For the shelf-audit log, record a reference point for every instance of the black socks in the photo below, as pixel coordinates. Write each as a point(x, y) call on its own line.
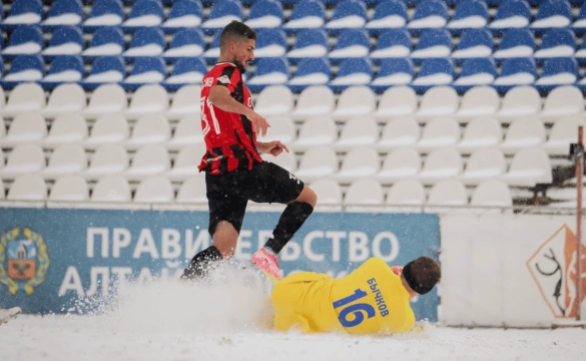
point(201, 263)
point(291, 220)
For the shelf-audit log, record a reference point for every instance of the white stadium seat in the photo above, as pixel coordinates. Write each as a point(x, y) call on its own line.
point(24, 159)
point(187, 162)
point(187, 132)
point(25, 128)
point(71, 188)
point(406, 193)
point(65, 160)
point(282, 128)
point(317, 162)
point(314, 101)
point(523, 133)
point(25, 98)
point(2, 98)
point(484, 164)
point(400, 132)
point(315, 132)
point(107, 160)
point(359, 163)
point(2, 127)
point(108, 129)
point(400, 164)
point(441, 164)
point(396, 102)
point(156, 189)
point(563, 101)
point(562, 134)
point(186, 102)
point(148, 99)
point(439, 132)
point(107, 99)
point(519, 102)
point(358, 132)
point(149, 129)
point(2, 160)
point(285, 160)
point(193, 190)
point(448, 193)
point(363, 192)
point(438, 101)
point(274, 100)
point(112, 188)
point(479, 101)
point(492, 193)
point(66, 129)
point(481, 133)
point(355, 101)
point(66, 99)
point(2, 190)
point(148, 161)
point(528, 168)
point(28, 187)
point(327, 190)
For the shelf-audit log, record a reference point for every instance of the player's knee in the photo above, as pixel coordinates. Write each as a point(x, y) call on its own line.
point(308, 196)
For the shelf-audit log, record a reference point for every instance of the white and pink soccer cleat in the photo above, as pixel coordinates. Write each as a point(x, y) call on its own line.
point(267, 263)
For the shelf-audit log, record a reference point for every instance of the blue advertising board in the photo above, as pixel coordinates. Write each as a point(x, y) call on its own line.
point(49, 258)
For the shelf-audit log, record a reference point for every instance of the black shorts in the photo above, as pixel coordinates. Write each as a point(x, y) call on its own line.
point(229, 193)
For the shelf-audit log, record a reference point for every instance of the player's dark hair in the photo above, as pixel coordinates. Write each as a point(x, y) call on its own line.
point(236, 31)
point(422, 274)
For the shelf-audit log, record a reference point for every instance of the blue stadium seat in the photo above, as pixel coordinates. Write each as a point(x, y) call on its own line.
point(580, 55)
point(223, 12)
point(349, 14)
point(352, 72)
point(184, 14)
point(311, 71)
point(64, 69)
point(393, 72)
point(556, 43)
point(63, 12)
point(475, 43)
point(146, 42)
point(211, 55)
point(187, 71)
point(552, 14)
point(433, 43)
point(105, 70)
point(511, 14)
point(392, 43)
point(107, 41)
point(433, 72)
point(67, 40)
point(579, 26)
point(557, 72)
point(429, 14)
point(307, 14)
point(270, 43)
point(23, 12)
point(309, 43)
point(104, 13)
point(269, 71)
point(515, 72)
point(265, 14)
point(146, 70)
point(470, 14)
point(187, 43)
point(24, 69)
point(144, 14)
point(515, 43)
point(388, 14)
point(351, 44)
point(475, 72)
point(24, 40)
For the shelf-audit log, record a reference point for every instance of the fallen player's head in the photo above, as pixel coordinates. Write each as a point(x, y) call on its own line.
point(237, 44)
point(421, 275)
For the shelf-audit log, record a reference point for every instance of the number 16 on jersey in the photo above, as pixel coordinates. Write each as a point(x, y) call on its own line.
point(357, 310)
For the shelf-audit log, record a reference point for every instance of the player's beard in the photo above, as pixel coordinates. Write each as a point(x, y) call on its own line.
point(240, 66)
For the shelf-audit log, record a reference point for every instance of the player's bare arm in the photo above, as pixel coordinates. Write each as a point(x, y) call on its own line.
point(275, 147)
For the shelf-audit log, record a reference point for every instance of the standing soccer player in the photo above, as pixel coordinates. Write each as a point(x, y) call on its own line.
point(235, 172)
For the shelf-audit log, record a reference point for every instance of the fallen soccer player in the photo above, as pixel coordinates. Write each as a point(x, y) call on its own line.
point(8, 314)
point(373, 299)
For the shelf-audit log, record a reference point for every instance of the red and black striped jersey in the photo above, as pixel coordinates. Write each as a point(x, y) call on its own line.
point(229, 137)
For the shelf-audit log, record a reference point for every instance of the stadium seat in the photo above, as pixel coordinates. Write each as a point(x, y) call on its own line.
point(481, 133)
point(146, 42)
point(2, 103)
point(193, 190)
point(442, 163)
point(523, 133)
point(185, 43)
point(108, 160)
point(309, 43)
point(359, 131)
point(63, 13)
point(70, 188)
point(433, 43)
point(23, 12)
point(520, 101)
point(475, 72)
point(399, 132)
point(28, 97)
point(515, 43)
point(108, 129)
point(187, 132)
point(516, 72)
point(144, 14)
point(475, 43)
point(28, 187)
point(24, 159)
point(186, 102)
point(149, 129)
point(355, 101)
point(66, 40)
point(393, 72)
point(563, 133)
point(433, 73)
point(492, 193)
point(406, 193)
point(66, 159)
point(557, 72)
point(348, 14)
point(270, 43)
point(68, 128)
point(223, 12)
point(307, 14)
point(104, 13)
point(579, 26)
point(392, 43)
point(552, 14)
point(2, 135)
point(364, 192)
point(448, 193)
point(396, 101)
point(285, 160)
point(269, 71)
point(184, 14)
point(479, 101)
point(483, 164)
point(65, 99)
point(351, 44)
point(265, 14)
point(353, 73)
point(328, 191)
point(470, 14)
point(438, 133)
point(511, 14)
point(563, 101)
point(274, 100)
point(317, 163)
point(389, 14)
point(24, 69)
point(106, 71)
point(148, 161)
point(556, 43)
point(401, 163)
point(2, 191)
point(148, 99)
point(282, 129)
point(186, 163)
point(64, 69)
point(108, 99)
point(429, 14)
point(25, 128)
point(316, 131)
point(111, 189)
point(438, 101)
point(156, 189)
point(580, 54)
point(529, 167)
point(310, 72)
point(213, 52)
point(186, 72)
point(314, 101)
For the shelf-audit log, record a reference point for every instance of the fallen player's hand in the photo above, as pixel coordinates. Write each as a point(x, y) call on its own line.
point(259, 124)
